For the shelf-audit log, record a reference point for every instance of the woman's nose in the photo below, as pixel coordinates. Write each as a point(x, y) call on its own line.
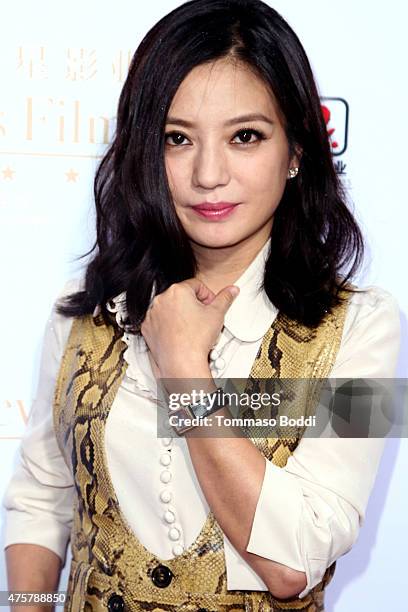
point(210, 168)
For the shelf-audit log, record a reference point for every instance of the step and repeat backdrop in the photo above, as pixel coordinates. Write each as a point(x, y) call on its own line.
point(62, 66)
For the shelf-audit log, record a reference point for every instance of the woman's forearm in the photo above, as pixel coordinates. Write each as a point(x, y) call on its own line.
point(231, 471)
point(31, 567)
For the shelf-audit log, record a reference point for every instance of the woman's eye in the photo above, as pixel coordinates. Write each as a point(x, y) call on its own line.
point(246, 136)
point(177, 138)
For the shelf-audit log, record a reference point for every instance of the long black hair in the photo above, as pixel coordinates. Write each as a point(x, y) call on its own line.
point(316, 245)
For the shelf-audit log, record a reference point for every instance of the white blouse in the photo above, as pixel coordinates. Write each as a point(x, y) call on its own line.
point(308, 513)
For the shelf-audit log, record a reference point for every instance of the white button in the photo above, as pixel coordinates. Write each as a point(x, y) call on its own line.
point(165, 459)
point(165, 496)
point(214, 354)
point(178, 549)
point(219, 363)
point(165, 476)
point(174, 533)
point(167, 441)
point(169, 517)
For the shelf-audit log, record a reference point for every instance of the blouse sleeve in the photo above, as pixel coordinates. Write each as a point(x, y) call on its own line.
point(39, 497)
point(309, 513)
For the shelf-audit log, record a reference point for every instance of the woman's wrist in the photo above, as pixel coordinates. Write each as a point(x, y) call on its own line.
point(188, 367)
point(184, 378)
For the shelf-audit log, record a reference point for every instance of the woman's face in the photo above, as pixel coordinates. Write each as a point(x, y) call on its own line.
point(214, 154)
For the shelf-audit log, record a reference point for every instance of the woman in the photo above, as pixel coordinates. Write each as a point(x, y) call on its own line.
point(219, 176)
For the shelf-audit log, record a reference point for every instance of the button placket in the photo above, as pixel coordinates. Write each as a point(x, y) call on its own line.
point(161, 575)
point(174, 530)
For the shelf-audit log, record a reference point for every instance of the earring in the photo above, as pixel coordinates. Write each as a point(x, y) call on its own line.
point(292, 172)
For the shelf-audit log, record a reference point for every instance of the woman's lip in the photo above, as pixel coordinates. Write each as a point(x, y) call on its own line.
point(215, 212)
point(215, 206)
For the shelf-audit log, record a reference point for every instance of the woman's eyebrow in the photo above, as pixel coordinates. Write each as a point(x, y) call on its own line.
point(240, 119)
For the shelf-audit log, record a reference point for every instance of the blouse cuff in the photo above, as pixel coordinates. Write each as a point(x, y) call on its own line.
point(281, 516)
point(21, 529)
point(240, 575)
point(279, 513)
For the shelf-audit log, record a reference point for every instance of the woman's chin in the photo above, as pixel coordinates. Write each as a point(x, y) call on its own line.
point(216, 240)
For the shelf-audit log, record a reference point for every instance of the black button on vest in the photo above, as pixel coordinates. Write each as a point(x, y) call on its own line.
point(161, 576)
point(116, 603)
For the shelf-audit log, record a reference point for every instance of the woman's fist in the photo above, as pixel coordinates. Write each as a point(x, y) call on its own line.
point(183, 324)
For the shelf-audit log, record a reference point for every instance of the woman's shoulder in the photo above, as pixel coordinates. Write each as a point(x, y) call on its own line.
point(71, 285)
point(372, 295)
point(371, 334)
point(371, 301)
point(59, 324)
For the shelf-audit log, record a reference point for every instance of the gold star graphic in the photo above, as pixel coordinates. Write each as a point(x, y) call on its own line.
point(71, 176)
point(8, 173)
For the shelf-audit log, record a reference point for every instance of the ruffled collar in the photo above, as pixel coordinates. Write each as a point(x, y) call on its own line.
point(248, 318)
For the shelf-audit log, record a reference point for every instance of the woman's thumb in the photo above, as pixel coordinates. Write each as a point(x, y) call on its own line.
point(225, 297)
point(234, 290)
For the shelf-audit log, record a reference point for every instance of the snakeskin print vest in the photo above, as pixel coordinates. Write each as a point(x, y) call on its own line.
point(110, 568)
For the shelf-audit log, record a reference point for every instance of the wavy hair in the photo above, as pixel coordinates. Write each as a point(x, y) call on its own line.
point(141, 246)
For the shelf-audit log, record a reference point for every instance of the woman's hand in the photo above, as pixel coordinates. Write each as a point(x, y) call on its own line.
point(183, 324)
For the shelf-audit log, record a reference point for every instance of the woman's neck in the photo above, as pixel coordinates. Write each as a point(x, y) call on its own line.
point(219, 267)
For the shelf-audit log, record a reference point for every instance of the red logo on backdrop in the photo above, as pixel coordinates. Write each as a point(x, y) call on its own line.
point(336, 116)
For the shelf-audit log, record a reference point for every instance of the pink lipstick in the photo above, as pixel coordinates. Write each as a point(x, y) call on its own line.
point(214, 210)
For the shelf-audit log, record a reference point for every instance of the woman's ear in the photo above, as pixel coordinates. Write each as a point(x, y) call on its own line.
point(296, 156)
point(294, 162)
